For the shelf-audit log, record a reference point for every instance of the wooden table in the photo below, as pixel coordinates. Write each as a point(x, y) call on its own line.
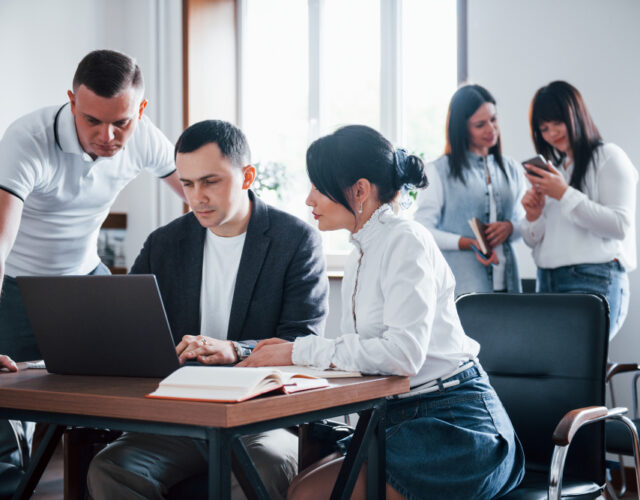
point(118, 403)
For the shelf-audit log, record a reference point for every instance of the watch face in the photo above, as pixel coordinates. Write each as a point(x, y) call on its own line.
point(242, 352)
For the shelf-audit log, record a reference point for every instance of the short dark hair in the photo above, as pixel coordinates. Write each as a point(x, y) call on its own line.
point(107, 73)
point(464, 103)
point(335, 162)
point(229, 138)
point(561, 102)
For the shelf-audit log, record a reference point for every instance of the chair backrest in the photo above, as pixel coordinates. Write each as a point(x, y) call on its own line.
point(528, 285)
point(545, 355)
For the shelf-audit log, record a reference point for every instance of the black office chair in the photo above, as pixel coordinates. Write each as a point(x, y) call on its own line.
point(14, 456)
point(617, 434)
point(546, 357)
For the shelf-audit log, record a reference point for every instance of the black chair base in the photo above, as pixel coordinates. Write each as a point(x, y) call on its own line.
point(10, 477)
point(535, 487)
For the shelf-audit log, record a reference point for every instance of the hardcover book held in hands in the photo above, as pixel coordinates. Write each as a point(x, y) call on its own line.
point(224, 384)
point(479, 229)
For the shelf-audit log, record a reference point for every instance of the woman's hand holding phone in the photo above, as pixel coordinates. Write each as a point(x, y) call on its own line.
point(537, 161)
point(548, 181)
point(533, 203)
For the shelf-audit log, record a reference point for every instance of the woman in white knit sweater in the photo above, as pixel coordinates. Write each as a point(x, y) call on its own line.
point(580, 213)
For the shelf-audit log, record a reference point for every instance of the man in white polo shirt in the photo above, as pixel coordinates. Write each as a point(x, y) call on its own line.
point(61, 168)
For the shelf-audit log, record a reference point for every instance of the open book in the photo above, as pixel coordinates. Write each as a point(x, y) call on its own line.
point(316, 372)
point(479, 229)
point(226, 384)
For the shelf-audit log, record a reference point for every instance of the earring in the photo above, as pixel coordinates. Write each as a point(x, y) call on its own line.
point(360, 208)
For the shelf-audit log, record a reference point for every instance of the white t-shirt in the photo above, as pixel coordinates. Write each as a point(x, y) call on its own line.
point(66, 194)
point(219, 271)
point(592, 226)
point(398, 311)
point(499, 282)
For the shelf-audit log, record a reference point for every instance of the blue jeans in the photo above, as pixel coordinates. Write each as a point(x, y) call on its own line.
point(457, 443)
point(16, 337)
point(609, 280)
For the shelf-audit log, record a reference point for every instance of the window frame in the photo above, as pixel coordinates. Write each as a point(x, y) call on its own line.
point(391, 99)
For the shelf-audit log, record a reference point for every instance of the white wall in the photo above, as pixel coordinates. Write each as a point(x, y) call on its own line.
point(517, 46)
point(41, 43)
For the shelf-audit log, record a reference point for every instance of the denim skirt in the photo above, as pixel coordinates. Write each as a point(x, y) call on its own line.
point(608, 279)
point(456, 443)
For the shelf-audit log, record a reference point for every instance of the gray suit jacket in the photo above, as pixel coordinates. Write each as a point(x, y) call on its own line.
point(281, 287)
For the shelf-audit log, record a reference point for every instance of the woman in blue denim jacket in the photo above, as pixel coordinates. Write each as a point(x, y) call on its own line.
point(474, 179)
point(581, 211)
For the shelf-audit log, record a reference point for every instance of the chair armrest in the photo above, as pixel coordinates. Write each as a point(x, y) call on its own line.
point(564, 432)
point(572, 421)
point(615, 368)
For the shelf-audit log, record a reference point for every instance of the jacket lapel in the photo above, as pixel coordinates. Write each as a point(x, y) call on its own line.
point(191, 248)
point(254, 252)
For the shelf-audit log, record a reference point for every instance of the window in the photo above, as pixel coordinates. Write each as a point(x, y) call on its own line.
point(274, 95)
point(350, 64)
point(308, 67)
point(429, 73)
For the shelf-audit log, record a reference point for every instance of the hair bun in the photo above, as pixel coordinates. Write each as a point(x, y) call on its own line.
point(410, 170)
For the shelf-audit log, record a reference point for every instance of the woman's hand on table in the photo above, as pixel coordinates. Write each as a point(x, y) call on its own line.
point(270, 352)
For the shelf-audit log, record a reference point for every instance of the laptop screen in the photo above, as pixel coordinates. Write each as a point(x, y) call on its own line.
point(100, 325)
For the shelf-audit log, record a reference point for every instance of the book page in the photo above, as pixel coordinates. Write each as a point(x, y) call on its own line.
point(218, 377)
point(307, 371)
point(297, 384)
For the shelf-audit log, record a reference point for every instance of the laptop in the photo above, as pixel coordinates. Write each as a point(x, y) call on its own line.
point(100, 325)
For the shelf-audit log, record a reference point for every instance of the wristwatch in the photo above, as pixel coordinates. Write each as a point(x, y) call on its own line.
point(242, 351)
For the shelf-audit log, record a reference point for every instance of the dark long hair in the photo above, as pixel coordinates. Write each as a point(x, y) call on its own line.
point(336, 161)
point(561, 102)
point(464, 103)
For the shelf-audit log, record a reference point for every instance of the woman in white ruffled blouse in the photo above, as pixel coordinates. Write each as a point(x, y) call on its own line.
point(399, 318)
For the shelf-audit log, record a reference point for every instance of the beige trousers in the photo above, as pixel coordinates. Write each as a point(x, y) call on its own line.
point(145, 466)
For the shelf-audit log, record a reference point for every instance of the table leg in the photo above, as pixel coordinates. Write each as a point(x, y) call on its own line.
point(376, 462)
point(248, 476)
point(39, 461)
point(366, 430)
point(219, 464)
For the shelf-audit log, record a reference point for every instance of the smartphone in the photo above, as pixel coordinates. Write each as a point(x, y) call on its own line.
point(476, 250)
point(537, 161)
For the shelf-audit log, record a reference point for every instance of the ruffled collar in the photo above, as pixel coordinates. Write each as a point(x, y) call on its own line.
point(369, 231)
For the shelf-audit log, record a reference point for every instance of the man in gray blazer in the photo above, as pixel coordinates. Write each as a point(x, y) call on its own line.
point(231, 272)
